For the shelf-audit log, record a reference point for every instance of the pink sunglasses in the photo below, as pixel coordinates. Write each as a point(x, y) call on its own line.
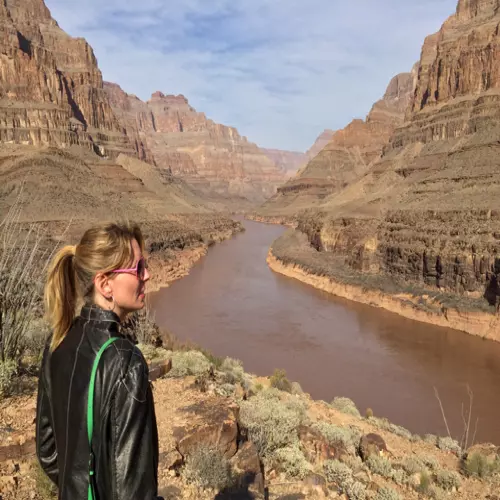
point(139, 270)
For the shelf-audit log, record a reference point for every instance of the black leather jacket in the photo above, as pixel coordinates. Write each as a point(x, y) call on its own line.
point(125, 438)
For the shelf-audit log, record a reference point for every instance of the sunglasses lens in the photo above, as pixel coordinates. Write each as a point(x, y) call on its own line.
point(141, 269)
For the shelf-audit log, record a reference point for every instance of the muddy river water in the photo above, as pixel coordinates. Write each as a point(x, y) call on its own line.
point(234, 305)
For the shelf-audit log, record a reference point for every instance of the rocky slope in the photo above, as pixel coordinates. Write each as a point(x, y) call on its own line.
point(211, 419)
point(322, 140)
point(427, 213)
point(213, 158)
point(347, 156)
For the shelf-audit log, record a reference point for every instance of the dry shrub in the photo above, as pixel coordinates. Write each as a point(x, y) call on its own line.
point(346, 405)
point(22, 271)
point(279, 381)
point(271, 423)
point(207, 467)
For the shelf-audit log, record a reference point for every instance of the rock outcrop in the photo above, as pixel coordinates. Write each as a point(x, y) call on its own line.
point(323, 139)
point(348, 155)
point(212, 157)
point(51, 90)
point(52, 94)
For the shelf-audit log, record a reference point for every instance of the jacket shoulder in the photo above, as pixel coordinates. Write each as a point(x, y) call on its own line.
point(133, 369)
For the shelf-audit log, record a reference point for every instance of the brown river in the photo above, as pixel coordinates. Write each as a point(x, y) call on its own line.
point(234, 305)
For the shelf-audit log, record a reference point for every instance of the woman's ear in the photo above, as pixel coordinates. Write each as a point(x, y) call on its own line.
point(103, 286)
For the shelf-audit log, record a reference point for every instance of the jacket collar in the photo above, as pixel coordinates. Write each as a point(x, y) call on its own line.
point(104, 320)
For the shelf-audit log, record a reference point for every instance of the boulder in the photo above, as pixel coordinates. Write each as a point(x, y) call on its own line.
point(247, 464)
point(317, 448)
point(211, 422)
point(372, 444)
point(159, 369)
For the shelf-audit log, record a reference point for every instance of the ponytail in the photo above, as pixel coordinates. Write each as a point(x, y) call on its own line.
point(102, 248)
point(61, 294)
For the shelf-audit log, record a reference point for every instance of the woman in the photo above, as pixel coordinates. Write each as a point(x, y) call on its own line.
point(108, 271)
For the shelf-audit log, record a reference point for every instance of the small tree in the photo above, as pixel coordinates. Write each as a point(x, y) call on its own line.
point(23, 264)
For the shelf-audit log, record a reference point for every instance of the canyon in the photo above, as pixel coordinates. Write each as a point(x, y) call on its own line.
point(414, 197)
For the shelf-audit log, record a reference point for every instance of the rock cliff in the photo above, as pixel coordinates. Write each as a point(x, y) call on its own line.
point(427, 212)
point(212, 157)
point(349, 153)
point(52, 94)
point(51, 90)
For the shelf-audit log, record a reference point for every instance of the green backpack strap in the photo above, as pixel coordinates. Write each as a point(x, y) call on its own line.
point(90, 414)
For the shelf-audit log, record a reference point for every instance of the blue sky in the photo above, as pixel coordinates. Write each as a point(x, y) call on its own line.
point(281, 71)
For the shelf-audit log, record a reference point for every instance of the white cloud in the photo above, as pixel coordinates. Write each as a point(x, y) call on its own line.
point(281, 71)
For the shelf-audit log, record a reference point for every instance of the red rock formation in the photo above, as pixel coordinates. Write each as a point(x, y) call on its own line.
point(428, 211)
point(323, 139)
point(210, 156)
point(349, 153)
point(51, 90)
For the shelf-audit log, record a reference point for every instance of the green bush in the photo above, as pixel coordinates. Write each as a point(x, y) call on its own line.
point(479, 465)
point(8, 370)
point(380, 465)
point(152, 353)
point(431, 439)
point(356, 491)
point(412, 465)
point(292, 461)
point(436, 493)
point(271, 423)
point(338, 473)
point(233, 370)
point(447, 479)
point(297, 389)
point(449, 444)
point(425, 483)
point(225, 390)
point(383, 423)
point(368, 413)
point(430, 462)
point(345, 405)
point(346, 436)
point(386, 493)
point(189, 363)
point(354, 462)
point(399, 476)
point(208, 468)
point(279, 381)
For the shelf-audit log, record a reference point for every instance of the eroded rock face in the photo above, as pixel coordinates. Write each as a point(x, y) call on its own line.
point(323, 139)
point(212, 157)
point(349, 153)
point(212, 423)
point(51, 90)
point(427, 211)
point(288, 161)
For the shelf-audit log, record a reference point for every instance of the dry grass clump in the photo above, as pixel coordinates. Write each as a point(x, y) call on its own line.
point(207, 467)
point(270, 422)
point(345, 405)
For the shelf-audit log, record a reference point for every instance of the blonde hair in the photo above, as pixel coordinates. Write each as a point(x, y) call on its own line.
point(102, 248)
